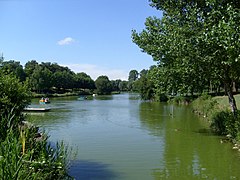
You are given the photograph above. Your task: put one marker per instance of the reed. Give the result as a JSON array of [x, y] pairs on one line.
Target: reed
[[23, 156]]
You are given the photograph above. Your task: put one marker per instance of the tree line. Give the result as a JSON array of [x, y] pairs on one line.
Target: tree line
[[196, 45], [47, 78]]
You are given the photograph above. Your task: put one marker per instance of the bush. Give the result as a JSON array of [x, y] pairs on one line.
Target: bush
[[27, 159], [205, 105], [225, 123], [181, 100], [14, 97]]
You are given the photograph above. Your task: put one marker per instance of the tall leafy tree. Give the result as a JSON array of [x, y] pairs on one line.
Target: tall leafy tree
[[123, 86], [103, 85], [132, 77], [84, 81], [41, 79], [195, 43], [30, 66]]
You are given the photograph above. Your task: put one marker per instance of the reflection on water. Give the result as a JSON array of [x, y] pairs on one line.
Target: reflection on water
[[91, 170], [120, 137], [189, 153]]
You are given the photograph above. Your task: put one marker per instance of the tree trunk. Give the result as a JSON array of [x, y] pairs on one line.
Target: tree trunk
[[231, 99]]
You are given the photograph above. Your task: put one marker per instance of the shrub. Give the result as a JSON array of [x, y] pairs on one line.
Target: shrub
[[205, 105], [14, 97], [38, 160], [225, 123], [181, 100]]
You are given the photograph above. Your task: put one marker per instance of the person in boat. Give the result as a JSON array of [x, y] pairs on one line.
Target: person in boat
[[42, 99], [46, 99]]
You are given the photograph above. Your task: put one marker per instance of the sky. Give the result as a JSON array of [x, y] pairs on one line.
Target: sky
[[87, 36]]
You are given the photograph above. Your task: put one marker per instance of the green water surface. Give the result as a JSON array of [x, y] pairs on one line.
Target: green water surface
[[121, 137]]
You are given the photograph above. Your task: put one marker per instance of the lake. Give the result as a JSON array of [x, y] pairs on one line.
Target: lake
[[122, 137]]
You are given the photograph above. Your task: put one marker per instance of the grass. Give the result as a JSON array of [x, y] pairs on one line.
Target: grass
[[24, 156], [218, 112], [223, 103]]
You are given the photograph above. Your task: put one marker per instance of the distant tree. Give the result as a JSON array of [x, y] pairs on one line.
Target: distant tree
[[103, 85], [83, 81], [143, 72], [63, 80], [41, 79], [146, 87], [133, 75], [123, 86], [116, 85], [30, 66]]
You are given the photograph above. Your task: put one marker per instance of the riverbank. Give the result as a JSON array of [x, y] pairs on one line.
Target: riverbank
[[39, 95], [217, 111], [36, 95]]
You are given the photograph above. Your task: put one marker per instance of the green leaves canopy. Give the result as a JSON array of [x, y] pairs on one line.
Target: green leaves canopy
[[103, 85], [195, 43]]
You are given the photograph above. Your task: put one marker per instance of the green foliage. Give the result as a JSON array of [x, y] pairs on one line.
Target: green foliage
[[84, 81], [103, 85], [38, 160], [133, 75], [181, 100], [24, 153], [123, 86], [13, 67], [193, 38], [225, 123], [146, 88], [205, 105], [41, 79], [14, 97]]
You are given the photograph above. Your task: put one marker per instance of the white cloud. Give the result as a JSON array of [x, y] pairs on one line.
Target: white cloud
[[66, 41], [95, 71]]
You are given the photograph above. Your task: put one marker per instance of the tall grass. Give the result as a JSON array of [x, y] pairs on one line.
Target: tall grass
[[205, 106], [217, 111], [25, 156]]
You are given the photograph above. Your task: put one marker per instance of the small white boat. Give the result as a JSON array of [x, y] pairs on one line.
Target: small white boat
[[31, 109]]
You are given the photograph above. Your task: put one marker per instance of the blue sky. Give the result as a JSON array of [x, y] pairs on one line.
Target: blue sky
[[87, 36]]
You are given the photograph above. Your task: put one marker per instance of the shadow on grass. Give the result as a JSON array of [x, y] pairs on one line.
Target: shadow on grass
[[91, 170]]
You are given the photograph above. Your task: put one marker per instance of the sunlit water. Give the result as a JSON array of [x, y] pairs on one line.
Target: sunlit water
[[121, 137]]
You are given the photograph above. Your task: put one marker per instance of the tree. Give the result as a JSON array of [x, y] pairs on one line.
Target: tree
[[15, 68], [41, 79], [84, 81], [63, 80], [103, 85], [143, 72], [14, 97], [196, 42], [123, 86], [132, 77], [30, 66], [116, 85], [146, 88]]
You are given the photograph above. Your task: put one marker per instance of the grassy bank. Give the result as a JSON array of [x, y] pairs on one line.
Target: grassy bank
[[221, 120]]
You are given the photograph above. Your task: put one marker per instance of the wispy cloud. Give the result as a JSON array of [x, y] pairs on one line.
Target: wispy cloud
[[66, 41], [95, 71]]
